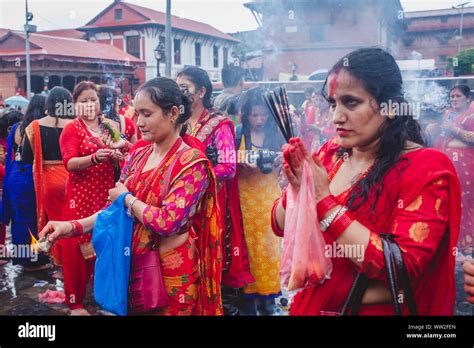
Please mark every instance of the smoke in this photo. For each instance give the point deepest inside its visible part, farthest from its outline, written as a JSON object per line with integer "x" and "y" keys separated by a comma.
{"x": 428, "y": 95}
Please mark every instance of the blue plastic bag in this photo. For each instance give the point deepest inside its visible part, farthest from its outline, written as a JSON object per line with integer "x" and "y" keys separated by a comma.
{"x": 112, "y": 241}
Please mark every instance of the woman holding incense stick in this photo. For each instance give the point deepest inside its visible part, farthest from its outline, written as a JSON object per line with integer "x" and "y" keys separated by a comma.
{"x": 375, "y": 177}
{"x": 217, "y": 134}
{"x": 171, "y": 193}
{"x": 258, "y": 187}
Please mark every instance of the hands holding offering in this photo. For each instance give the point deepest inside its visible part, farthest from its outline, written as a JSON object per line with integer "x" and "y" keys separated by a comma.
{"x": 294, "y": 155}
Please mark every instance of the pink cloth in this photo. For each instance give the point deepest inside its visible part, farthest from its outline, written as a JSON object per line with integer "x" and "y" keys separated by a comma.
{"x": 303, "y": 262}
{"x": 223, "y": 140}
{"x": 51, "y": 296}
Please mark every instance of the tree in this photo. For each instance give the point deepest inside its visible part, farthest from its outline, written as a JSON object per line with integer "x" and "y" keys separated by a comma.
{"x": 462, "y": 63}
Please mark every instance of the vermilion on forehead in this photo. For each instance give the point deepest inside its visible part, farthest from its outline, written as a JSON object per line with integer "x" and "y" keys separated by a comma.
{"x": 333, "y": 83}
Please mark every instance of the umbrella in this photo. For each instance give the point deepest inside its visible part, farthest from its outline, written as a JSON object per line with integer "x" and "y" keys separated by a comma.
{"x": 317, "y": 75}
{"x": 16, "y": 101}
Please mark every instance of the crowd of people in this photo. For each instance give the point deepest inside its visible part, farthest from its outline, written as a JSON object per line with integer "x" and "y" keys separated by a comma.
{"x": 218, "y": 220}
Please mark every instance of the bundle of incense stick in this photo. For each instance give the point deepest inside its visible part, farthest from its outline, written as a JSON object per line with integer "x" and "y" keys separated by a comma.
{"x": 277, "y": 102}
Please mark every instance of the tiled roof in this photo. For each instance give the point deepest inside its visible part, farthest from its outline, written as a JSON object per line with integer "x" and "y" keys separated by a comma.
{"x": 3, "y": 31}
{"x": 70, "y": 33}
{"x": 442, "y": 12}
{"x": 157, "y": 17}
{"x": 67, "y": 47}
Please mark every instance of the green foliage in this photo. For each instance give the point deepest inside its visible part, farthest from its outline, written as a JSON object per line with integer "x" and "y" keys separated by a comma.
{"x": 462, "y": 63}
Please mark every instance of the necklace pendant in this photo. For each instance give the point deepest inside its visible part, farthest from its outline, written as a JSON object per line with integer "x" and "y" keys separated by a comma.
{"x": 18, "y": 156}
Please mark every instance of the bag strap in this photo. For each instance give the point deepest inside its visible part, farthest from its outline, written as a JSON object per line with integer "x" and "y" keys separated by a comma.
{"x": 169, "y": 171}
{"x": 354, "y": 299}
{"x": 392, "y": 275}
{"x": 397, "y": 279}
{"x": 238, "y": 136}
{"x": 403, "y": 277}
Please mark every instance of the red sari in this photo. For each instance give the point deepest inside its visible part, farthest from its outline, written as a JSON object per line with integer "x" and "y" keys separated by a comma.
{"x": 86, "y": 193}
{"x": 422, "y": 212}
{"x": 218, "y": 130}
{"x": 192, "y": 271}
{"x": 463, "y": 160}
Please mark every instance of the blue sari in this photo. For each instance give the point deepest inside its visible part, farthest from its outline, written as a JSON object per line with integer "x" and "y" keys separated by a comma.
{"x": 19, "y": 206}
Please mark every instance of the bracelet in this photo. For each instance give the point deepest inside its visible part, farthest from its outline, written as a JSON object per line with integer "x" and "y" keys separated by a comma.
{"x": 129, "y": 210}
{"x": 94, "y": 159}
{"x": 77, "y": 229}
{"x": 326, "y": 204}
{"x": 283, "y": 199}
{"x": 276, "y": 230}
{"x": 466, "y": 136}
{"x": 329, "y": 220}
{"x": 340, "y": 225}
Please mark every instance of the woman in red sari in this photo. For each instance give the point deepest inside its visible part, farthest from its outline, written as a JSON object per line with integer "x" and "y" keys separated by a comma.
{"x": 91, "y": 175}
{"x": 377, "y": 169}
{"x": 182, "y": 220}
{"x": 216, "y": 132}
{"x": 41, "y": 149}
{"x": 456, "y": 140}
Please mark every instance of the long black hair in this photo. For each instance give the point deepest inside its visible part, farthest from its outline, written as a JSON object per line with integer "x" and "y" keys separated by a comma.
{"x": 380, "y": 75}
{"x": 36, "y": 110}
{"x": 107, "y": 98}
{"x": 249, "y": 99}
{"x": 464, "y": 89}
{"x": 200, "y": 78}
{"x": 8, "y": 120}
{"x": 59, "y": 103}
{"x": 165, "y": 93}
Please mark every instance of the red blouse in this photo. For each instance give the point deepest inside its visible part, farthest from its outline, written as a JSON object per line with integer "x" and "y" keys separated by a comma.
{"x": 86, "y": 190}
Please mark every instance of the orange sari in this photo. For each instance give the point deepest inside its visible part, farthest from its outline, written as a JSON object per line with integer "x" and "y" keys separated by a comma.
{"x": 50, "y": 186}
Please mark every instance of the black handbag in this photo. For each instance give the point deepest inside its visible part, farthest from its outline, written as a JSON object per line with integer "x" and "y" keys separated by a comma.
{"x": 397, "y": 280}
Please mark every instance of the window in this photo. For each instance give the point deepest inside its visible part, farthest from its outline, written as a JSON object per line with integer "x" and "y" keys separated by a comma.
{"x": 133, "y": 45}
{"x": 197, "y": 53}
{"x": 216, "y": 56}
{"x": 177, "y": 51}
{"x": 118, "y": 14}
{"x": 408, "y": 41}
{"x": 442, "y": 58}
{"x": 226, "y": 56}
